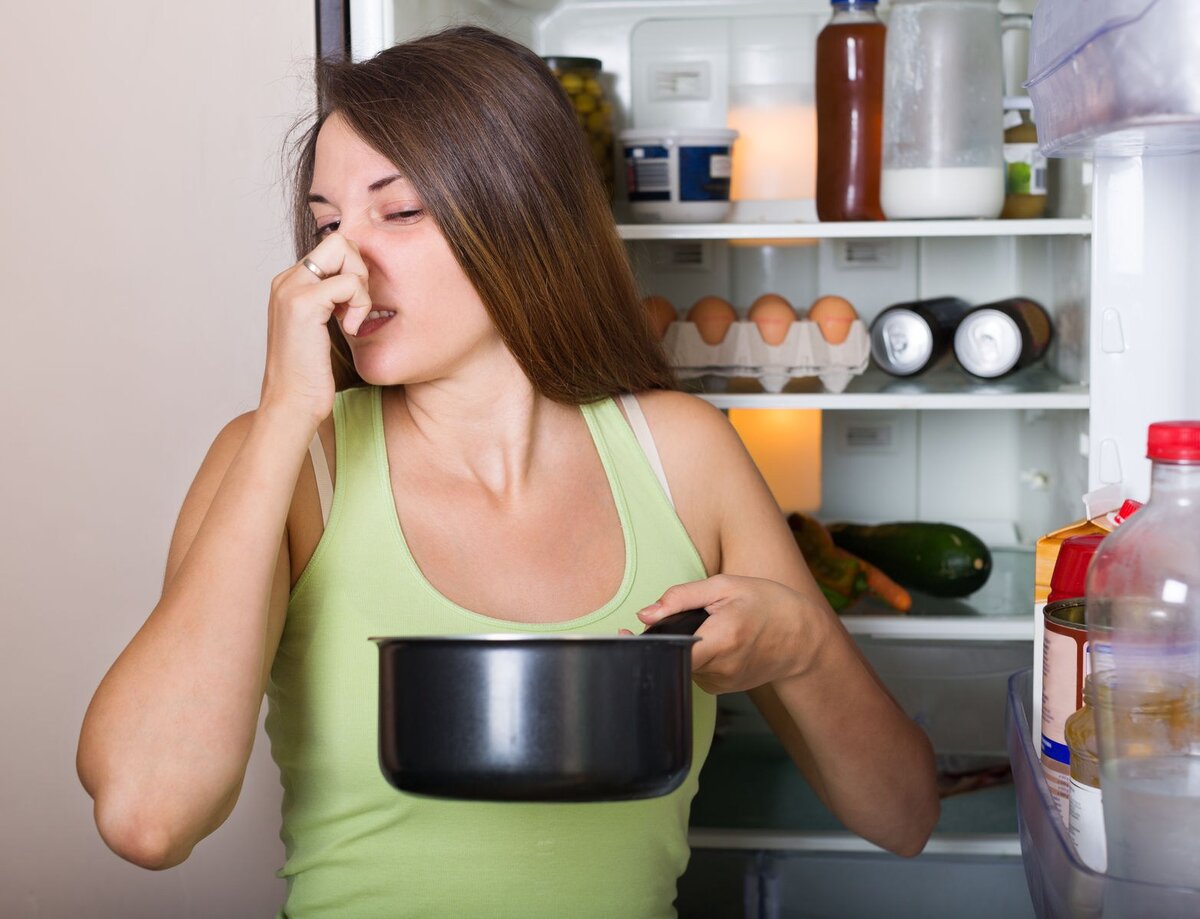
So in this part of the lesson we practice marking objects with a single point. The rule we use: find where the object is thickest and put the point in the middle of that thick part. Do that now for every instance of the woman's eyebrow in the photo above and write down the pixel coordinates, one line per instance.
(386, 180)
(373, 187)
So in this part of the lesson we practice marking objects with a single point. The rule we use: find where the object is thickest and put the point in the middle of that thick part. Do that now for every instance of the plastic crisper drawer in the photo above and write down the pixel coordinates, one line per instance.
(1116, 77)
(1060, 885)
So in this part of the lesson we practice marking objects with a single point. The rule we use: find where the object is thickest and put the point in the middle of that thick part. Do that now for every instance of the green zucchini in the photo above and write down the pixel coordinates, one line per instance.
(936, 558)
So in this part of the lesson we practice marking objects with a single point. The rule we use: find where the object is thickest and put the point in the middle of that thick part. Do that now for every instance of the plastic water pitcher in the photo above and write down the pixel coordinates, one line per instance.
(943, 132)
(1143, 617)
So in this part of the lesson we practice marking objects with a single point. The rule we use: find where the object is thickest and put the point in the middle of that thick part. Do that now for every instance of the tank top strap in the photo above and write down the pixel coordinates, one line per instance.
(316, 453)
(644, 491)
(641, 430)
(356, 459)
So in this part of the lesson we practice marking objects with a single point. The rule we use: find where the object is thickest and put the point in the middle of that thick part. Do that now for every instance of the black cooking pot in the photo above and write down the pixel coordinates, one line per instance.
(539, 717)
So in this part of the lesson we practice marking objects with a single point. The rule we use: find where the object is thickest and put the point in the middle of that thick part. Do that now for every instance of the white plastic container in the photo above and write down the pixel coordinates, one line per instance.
(678, 175)
(942, 117)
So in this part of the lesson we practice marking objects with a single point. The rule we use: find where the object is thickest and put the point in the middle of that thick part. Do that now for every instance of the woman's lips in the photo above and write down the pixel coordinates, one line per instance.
(371, 325)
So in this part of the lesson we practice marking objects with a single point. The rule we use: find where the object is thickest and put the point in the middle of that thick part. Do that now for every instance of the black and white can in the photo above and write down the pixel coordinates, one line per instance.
(909, 338)
(998, 338)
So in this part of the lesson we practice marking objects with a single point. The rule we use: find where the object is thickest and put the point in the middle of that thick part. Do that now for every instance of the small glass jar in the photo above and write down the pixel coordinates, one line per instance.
(580, 79)
(1024, 165)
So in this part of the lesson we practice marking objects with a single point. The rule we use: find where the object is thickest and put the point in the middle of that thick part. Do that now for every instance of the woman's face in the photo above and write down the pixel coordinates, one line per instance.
(440, 321)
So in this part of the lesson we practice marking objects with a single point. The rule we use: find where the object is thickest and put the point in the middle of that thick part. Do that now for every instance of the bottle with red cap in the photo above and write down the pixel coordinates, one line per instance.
(1143, 605)
(1069, 579)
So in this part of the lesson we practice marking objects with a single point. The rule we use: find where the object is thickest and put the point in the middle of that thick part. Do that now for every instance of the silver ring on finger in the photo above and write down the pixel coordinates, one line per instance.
(314, 268)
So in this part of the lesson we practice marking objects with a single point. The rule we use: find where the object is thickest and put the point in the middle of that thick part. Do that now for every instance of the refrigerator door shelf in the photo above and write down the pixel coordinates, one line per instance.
(1061, 886)
(1116, 77)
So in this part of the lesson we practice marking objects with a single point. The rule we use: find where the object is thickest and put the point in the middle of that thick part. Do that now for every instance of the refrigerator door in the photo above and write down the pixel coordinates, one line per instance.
(1145, 331)
(378, 24)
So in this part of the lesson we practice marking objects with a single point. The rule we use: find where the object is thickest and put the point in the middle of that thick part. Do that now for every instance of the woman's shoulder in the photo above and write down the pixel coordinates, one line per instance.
(682, 422)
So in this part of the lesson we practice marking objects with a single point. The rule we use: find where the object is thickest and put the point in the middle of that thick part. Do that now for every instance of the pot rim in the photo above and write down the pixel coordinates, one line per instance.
(520, 637)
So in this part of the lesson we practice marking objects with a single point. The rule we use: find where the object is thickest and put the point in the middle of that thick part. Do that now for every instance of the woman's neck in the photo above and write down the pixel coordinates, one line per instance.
(490, 428)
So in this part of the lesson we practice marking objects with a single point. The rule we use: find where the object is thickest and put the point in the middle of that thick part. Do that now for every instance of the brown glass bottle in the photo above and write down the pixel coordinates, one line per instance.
(849, 93)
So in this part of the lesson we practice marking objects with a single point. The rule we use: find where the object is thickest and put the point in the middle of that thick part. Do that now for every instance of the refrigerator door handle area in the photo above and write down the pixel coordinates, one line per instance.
(372, 25)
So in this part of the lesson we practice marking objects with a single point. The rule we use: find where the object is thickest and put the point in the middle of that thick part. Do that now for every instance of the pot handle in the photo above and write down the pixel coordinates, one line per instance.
(685, 623)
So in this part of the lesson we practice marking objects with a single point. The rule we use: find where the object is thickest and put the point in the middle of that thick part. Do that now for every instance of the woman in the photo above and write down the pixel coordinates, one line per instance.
(449, 346)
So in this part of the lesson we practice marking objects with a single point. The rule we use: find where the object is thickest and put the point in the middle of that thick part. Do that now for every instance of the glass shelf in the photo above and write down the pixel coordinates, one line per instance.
(1001, 610)
(855, 230)
(1036, 387)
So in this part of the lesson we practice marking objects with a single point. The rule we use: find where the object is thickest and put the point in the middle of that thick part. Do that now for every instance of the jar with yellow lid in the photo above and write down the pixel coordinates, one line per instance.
(580, 79)
(1086, 821)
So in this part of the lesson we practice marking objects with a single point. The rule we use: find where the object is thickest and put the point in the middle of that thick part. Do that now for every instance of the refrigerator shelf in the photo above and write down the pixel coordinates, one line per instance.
(949, 388)
(1001, 610)
(881, 229)
(937, 628)
(1004, 845)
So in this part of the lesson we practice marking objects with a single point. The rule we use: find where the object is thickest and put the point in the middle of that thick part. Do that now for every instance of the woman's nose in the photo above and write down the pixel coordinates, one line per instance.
(358, 238)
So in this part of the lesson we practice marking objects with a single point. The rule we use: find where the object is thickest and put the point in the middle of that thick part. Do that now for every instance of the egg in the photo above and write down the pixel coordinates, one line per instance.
(833, 316)
(712, 317)
(774, 317)
(660, 313)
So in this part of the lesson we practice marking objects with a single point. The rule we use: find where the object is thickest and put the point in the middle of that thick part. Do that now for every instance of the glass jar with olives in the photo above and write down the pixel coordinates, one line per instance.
(580, 79)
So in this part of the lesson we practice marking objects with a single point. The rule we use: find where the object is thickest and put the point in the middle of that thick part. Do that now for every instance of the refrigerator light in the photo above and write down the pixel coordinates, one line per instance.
(786, 447)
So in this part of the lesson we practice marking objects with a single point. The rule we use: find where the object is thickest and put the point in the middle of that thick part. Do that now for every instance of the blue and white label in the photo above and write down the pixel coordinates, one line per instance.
(704, 173)
(648, 173)
(670, 173)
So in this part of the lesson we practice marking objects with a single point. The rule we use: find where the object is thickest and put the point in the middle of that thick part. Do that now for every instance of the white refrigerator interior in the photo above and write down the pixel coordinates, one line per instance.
(1008, 459)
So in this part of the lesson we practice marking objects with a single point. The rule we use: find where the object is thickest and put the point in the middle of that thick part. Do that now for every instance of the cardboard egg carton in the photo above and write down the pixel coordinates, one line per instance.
(744, 353)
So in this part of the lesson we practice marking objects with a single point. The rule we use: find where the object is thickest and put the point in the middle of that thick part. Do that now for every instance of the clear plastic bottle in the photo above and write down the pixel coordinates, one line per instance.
(1143, 606)
(849, 96)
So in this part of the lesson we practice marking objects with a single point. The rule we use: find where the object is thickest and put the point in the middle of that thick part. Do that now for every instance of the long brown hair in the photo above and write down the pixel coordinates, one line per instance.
(480, 127)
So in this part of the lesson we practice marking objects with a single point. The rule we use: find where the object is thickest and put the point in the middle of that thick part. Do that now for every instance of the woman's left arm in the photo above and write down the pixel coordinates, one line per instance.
(771, 632)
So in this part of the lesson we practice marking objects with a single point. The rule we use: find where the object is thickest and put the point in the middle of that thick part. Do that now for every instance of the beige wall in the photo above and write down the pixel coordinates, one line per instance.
(142, 223)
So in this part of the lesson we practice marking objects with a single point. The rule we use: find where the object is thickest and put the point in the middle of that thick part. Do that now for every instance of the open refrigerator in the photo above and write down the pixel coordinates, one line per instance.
(1009, 459)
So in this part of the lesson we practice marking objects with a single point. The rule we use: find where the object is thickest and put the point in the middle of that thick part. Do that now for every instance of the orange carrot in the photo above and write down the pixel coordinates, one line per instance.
(880, 584)
(886, 589)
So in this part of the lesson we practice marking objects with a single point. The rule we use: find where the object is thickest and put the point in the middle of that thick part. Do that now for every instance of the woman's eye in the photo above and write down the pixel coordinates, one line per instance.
(404, 215)
(328, 228)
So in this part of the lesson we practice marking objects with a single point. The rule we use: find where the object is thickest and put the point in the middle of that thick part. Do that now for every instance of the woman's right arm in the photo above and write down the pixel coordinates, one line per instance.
(166, 739)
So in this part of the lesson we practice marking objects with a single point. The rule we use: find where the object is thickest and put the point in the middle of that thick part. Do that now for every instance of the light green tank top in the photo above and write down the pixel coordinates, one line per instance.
(356, 847)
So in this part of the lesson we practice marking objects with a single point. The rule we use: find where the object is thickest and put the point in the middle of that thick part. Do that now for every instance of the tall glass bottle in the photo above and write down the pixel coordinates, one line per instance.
(849, 95)
(1143, 608)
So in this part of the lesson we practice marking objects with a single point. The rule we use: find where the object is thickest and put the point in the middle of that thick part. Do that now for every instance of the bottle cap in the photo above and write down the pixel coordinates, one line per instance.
(1128, 509)
(1174, 441)
(1070, 568)
(558, 62)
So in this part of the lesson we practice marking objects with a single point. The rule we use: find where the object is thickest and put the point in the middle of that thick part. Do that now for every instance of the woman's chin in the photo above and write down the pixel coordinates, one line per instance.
(385, 373)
